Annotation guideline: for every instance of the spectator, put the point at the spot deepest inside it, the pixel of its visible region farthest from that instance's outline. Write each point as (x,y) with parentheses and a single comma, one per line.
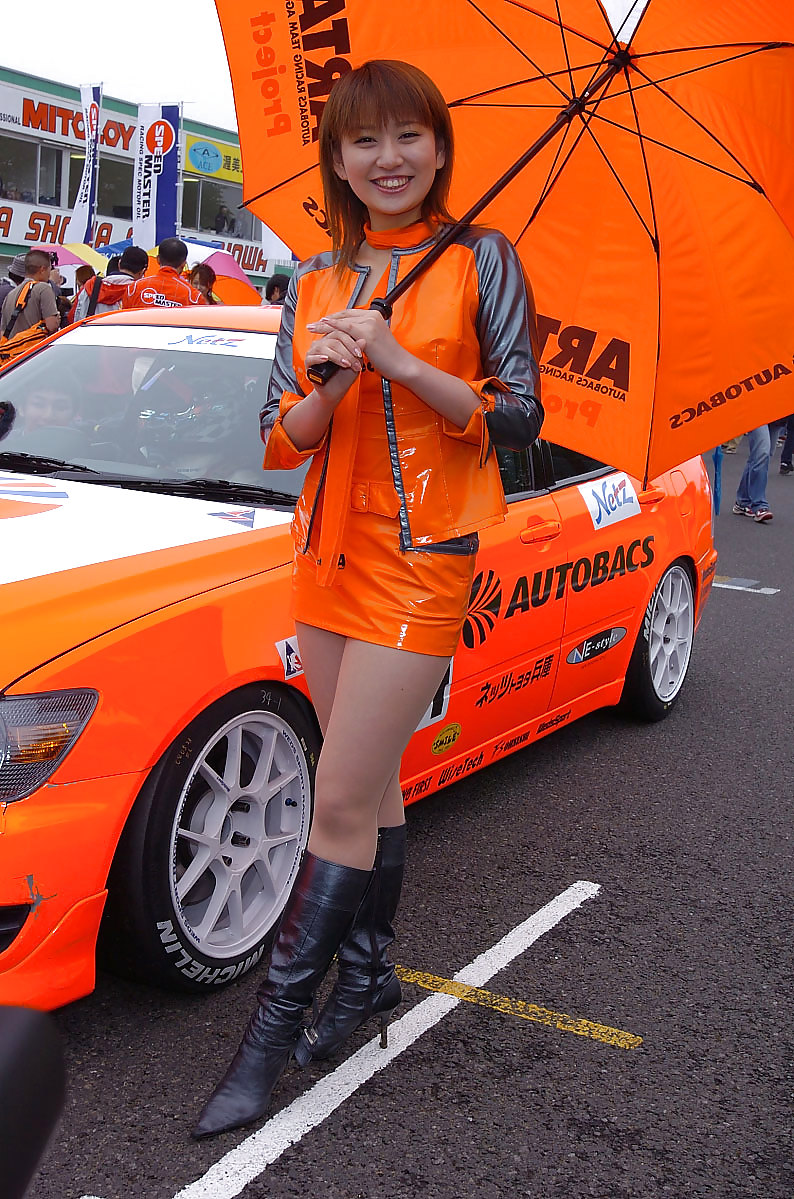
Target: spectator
(751,494)
(40,306)
(132,266)
(16,275)
(225,221)
(114,264)
(203,277)
(82,275)
(786,431)
(276,290)
(166,288)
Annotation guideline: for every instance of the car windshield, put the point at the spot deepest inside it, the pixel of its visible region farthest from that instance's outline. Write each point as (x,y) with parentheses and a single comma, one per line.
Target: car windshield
(147,403)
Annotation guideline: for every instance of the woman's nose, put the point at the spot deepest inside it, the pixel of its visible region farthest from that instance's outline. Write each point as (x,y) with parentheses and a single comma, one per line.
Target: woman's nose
(389,153)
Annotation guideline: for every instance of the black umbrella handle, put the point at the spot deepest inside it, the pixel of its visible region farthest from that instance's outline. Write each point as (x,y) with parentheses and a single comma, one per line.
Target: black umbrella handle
(323,371)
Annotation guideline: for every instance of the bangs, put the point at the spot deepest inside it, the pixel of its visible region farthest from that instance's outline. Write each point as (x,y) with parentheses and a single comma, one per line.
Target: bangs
(377,94)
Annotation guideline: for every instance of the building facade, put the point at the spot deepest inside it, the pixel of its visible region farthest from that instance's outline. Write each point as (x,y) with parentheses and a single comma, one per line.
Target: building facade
(42,150)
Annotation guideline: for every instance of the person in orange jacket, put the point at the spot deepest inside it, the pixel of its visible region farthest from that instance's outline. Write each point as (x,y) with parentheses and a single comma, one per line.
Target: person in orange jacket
(402,476)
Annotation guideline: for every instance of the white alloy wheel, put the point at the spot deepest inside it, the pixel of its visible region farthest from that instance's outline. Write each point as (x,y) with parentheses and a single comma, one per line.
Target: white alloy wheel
(672,630)
(239,830)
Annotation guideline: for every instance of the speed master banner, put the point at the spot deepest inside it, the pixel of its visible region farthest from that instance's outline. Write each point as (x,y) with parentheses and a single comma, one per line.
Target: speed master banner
(81,224)
(156,175)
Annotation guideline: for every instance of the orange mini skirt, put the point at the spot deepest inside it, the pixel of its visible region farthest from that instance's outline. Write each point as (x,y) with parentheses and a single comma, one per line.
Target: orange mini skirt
(414,600)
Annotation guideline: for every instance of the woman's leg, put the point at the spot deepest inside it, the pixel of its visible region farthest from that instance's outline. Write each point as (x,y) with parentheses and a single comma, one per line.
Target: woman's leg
(378,700)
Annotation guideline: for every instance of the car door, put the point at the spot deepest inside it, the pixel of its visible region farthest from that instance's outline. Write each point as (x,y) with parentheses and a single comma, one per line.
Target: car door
(609,525)
(509,645)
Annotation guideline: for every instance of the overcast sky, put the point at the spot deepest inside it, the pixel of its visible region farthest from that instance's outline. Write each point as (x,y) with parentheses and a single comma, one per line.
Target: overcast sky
(117,44)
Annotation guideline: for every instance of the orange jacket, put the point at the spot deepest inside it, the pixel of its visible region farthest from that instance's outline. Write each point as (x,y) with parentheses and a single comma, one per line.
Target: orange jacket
(472,315)
(164,289)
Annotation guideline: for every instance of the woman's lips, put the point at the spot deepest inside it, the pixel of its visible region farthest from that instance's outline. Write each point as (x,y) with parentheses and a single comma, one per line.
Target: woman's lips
(393,184)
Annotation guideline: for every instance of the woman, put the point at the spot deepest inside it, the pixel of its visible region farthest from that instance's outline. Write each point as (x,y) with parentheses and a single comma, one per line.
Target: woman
(402,477)
(203,277)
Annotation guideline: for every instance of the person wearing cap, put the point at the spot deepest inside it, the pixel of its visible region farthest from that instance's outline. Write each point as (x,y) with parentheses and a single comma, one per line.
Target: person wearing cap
(16,275)
(132,266)
(41,304)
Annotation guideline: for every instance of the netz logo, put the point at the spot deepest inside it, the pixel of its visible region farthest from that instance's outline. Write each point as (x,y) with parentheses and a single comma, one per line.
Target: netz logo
(595,646)
(610,500)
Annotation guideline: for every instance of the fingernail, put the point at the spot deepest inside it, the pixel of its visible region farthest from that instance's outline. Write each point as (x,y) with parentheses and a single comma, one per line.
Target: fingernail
(346,363)
(357,352)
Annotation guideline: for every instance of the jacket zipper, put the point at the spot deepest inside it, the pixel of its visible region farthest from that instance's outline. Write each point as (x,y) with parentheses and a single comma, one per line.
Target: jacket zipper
(364,273)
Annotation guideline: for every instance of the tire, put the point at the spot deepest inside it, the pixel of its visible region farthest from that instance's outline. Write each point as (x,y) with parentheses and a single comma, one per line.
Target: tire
(213,843)
(663,649)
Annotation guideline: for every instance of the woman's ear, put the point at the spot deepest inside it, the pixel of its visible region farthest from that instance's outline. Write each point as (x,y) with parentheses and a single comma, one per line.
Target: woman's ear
(441,154)
(339,166)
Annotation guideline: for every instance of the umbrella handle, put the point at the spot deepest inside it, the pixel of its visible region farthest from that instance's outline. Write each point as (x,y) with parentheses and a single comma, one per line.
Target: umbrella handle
(323,371)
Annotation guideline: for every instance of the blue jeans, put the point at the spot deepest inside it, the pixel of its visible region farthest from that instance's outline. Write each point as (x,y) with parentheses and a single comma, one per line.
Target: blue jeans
(752,485)
(786,426)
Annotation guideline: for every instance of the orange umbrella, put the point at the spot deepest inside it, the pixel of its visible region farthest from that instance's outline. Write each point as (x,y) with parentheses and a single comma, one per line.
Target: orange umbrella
(655,214)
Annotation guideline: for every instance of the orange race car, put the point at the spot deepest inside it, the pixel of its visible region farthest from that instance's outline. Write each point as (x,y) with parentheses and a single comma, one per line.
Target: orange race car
(157,741)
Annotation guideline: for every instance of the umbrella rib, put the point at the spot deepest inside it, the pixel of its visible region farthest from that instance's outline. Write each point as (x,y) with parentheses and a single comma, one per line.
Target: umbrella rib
(565,46)
(694,70)
(542,16)
(750,182)
(641,138)
(618,180)
(276,186)
(515,46)
(505,87)
(549,184)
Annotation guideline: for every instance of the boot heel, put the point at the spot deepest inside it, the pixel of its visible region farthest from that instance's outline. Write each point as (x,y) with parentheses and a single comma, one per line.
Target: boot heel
(304,1049)
(384,1028)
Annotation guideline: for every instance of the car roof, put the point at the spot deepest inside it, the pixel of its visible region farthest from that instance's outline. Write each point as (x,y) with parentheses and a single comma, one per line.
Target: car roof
(201,316)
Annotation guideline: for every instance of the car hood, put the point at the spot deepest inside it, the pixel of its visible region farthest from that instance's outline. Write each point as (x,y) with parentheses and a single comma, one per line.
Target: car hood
(78,559)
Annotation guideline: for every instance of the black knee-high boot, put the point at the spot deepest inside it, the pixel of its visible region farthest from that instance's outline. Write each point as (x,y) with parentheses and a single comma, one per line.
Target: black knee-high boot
(319,910)
(366,984)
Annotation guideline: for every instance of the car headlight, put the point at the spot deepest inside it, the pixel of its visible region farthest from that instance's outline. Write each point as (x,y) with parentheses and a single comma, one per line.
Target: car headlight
(36,734)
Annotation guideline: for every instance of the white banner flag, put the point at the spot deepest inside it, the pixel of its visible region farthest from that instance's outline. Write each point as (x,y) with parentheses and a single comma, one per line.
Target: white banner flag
(155,180)
(81,224)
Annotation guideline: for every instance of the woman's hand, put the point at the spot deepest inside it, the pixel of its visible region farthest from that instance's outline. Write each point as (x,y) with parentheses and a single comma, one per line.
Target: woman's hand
(342,349)
(352,333)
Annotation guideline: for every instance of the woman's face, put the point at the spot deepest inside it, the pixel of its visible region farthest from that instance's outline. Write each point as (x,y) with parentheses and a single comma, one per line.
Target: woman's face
(391,169)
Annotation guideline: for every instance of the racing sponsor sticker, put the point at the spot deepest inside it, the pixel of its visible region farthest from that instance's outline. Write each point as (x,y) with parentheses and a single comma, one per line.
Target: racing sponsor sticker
(446,739)
(553,721)
(290,657)
(515,681)
(610,500)
(593,647)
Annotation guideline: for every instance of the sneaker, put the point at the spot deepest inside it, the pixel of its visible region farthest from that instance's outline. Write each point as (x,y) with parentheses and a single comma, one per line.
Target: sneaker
(742,509)
(761,515)
(786,468)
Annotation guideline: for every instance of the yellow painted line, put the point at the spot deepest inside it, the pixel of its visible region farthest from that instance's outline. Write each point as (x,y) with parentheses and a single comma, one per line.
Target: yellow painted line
(518,1007)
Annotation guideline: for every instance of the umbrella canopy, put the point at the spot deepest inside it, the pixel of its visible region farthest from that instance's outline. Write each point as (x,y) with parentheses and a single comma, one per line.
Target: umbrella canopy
(655,217)
(76,254)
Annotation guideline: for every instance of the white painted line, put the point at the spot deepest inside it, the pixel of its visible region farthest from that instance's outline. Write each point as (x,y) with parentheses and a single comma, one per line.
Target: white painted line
(753,590)
(229,1176)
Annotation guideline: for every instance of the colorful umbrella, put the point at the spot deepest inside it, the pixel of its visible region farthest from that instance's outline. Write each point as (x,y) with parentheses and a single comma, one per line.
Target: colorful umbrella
(656,212)
(76,254)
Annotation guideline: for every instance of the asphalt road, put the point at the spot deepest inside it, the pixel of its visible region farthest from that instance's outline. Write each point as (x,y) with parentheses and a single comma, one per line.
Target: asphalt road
(683,827)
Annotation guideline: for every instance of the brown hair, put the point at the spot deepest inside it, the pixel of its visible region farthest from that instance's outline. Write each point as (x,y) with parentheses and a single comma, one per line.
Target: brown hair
(371,95)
